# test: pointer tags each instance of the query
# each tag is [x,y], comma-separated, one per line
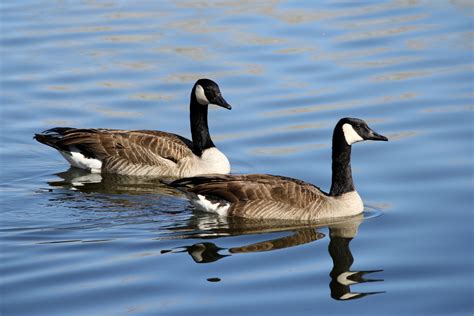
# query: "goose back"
[262,196]
[140,152]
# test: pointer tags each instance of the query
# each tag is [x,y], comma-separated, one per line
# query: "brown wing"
[265,194]
[136,147]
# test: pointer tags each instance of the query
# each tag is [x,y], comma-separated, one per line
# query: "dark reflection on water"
[134,199]
[76,243]
[211,227]
[81,180]
[342,278]
[340,234]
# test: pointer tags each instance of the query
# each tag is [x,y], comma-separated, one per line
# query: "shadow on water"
[198,225]
[340,234]
[84,181]
[109,200]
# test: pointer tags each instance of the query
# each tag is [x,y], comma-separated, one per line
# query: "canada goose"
[262,196]
[144,152]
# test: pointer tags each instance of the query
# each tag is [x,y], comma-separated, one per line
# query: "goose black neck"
[342,261]
[341,165]
[199,128]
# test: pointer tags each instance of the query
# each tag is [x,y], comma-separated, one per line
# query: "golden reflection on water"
[378,33]
[115,84]
[132,38]
[109,112]
[381,62]
[343,56]
[195,53]
[234,5]
[101,4]
[135,15]
[61,122]
[267,131]
[275,9]
[287,150]
[88,29]
[151,97]
[341,232]
[99,53]
[450,109]
[407,75]
[294,50]
[250,38]
[402,75]
[342,105]
[246,69]
[59,88]
[195,26]
[384,20]
[417,44]
[300,127]
[403,135]
[315,108]
[137,65]
[462,4]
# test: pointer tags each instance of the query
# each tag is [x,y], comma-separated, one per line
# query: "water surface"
[73,243]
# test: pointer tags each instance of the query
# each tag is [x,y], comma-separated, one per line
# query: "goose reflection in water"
[342,278]
[205,226]
[340,234]
[105,200]
[84,181]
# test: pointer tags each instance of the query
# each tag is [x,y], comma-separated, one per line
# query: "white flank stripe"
[78,160]
[203,204]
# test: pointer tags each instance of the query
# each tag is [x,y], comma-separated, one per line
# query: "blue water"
[75,244]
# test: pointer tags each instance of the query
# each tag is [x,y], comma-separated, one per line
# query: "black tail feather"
[52,136]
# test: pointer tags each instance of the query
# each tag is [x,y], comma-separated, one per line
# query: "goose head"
[207,92]
[356,130]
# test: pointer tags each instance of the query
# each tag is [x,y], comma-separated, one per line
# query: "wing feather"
[136,147]
[258,195]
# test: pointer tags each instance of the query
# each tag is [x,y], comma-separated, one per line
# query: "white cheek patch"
[200,95]
[350,134]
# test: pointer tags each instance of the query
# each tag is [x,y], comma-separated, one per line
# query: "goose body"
[145,152]
[262,196]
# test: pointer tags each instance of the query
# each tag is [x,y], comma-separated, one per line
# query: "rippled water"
[74,243]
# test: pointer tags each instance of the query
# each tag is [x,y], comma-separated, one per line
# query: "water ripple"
[80,243]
